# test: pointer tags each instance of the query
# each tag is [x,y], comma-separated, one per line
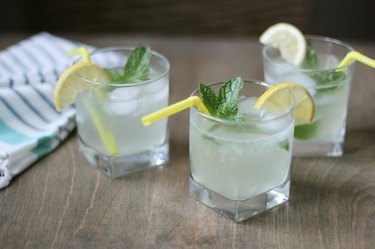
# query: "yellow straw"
[353,55]
[172,109]
[83,51]
[108,139]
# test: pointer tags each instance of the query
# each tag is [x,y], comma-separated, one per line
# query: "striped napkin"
[30,128]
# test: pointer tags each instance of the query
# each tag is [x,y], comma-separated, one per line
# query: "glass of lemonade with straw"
[111,99]
[313,62]
[241,144]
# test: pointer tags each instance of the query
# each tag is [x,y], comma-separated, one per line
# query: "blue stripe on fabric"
[27,82]
[10,108]
[46,99]
[11,81]
[42,79]
[32,59]
[41,49]
[16,59]
[12,137]
[27,102]
[27,51]
[54,42]
[7,67]
[19,62]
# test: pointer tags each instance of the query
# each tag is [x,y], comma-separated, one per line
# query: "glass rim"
[326,39]
[251,121]
[129,49]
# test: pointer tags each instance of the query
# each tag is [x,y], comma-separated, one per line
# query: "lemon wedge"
[277,99]
[288,39]
[71,82]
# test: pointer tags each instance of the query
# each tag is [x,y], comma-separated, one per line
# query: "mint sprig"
[333,80]
[311,59]
[225,104]
[136,69]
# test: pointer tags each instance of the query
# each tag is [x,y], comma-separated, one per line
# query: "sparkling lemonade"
[110,130]
[241,167]
[328,85]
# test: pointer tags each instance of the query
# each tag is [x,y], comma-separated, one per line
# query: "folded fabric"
[30,128]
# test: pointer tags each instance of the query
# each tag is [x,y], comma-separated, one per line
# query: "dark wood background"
[335,18]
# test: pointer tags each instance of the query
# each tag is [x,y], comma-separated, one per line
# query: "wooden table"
[62,202]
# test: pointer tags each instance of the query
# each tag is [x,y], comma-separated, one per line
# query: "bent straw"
[82,51]
[108,140]
[354,55]
[176,107]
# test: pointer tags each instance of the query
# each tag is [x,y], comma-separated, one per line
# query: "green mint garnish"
[335,78]
[115,75]
[311,60]
[324,78]
[209,99]
[136,69]
[306,131]
[225,104]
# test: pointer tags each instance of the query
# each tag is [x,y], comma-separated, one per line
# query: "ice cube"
[124,94]
[246,105]
[156,85]
[271,123]
[302,79]
[161,95]
[328,61]
[278,127]
[282,67]
[123,108]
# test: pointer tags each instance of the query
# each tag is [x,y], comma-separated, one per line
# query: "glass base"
[239,210]
[117,166]
[314,149]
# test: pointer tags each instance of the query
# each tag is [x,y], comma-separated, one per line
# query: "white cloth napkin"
[30,128]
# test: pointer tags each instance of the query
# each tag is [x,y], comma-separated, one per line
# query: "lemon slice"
[71,82]
[277,99]
[288,39]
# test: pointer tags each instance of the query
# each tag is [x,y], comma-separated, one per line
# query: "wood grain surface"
[62,202]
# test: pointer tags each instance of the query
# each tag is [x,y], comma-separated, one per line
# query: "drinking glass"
[329,87]
[240,169]
[111,135]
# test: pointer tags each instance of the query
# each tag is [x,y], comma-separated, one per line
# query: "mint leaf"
[137,67]
[228,98]
[306,131]
[115,75]
[225,105]
[311,60]
[209,99]
[334,78]
[331,79]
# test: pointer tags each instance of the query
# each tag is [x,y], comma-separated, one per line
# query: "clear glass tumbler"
[329,86]
[111,135]
[240,169]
